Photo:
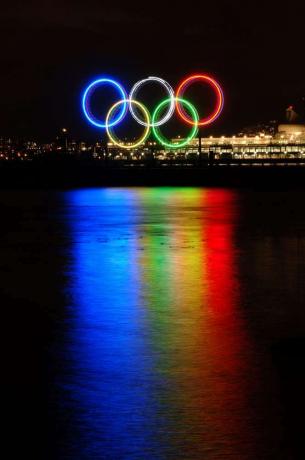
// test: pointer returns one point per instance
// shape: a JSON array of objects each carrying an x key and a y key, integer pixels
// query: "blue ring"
[{"x": 90, "y": 117}]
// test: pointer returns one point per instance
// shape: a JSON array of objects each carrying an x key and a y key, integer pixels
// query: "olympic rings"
[
  {"x": 193, "y": 132},
  {"x": 109, "y": 124},
  {"x": 88, "y": 93},
  {"x": 168, "y": 88},
  {"x": 213, "y": 83},
  {"x": 185, "y": 109}
]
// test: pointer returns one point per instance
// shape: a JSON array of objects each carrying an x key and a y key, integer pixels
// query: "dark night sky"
[{"x": 50, "y": 50}]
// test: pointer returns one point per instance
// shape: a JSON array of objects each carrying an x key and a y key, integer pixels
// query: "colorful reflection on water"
[{"x": 158, "y": 360}]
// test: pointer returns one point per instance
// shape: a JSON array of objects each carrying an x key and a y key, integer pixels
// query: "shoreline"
[{"x": 83, "y": 173}]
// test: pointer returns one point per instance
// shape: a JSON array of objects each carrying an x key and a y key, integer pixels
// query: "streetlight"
[{"x": 65, "y": 131}]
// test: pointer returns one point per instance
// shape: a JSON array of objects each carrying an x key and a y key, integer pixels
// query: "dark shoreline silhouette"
[{"x": 70, "y": 172}]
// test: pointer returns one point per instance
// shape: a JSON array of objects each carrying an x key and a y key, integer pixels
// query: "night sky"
[{"x": 50, "y": 50}]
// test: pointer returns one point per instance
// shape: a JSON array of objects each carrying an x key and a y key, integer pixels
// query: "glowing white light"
[{"x": 168, "y": 88}]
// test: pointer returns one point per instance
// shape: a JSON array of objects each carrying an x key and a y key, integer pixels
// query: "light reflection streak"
[{"x": 156, "y": 344}]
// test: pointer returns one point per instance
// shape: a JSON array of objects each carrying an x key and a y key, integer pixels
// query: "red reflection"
[
  {"x": 220, "y": 252},
  {"x": 230, "y": 373}
]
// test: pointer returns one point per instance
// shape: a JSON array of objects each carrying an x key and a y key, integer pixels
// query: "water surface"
[{"x": 154, "y": 323}]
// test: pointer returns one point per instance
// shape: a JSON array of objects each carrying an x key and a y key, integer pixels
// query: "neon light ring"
[
  {"x": 185, "y": 109},
  {"x": 169, "y": 90},
  {"x": 214, "y": 85},
  {"x": 109, "y": 123},
  {"x": 195, "y": 119},
  {"x": 87, "y": 96}
]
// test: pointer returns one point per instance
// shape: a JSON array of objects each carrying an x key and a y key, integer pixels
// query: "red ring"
[{"x": 218, "y": 91}]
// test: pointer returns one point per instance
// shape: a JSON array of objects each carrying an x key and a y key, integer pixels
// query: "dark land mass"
[{"x": 74, "y": 172}]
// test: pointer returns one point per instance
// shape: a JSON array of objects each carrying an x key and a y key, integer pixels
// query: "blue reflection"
[{"x": 106, "y": 384}]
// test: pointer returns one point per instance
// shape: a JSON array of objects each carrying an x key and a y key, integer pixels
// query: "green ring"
[{"x": 163, "y": 140}]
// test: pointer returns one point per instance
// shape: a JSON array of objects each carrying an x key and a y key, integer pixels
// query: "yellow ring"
[{"x": 146, "y": 131}]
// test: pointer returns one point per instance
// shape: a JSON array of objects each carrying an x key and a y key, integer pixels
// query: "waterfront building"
[{"x": 288, "y": 142}]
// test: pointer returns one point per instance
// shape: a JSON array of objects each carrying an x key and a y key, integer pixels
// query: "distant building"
[
  {"x": 288, "y": 141},
  {"x": 291, "y": 131}
]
